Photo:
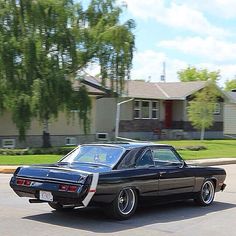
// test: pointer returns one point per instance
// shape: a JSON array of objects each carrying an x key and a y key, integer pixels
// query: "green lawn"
[
  {"x": 28, "y": 159},
  {"x": 215, "y": 148}
]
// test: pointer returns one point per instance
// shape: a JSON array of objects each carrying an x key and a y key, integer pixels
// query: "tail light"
[
  {"x": 63, "y": 187},
  {"x": 68, "y": 188},
  {"x": 20, "y": 181},
  {"x": 72, "y": 188},
  {"x": 23, "y": 182}
]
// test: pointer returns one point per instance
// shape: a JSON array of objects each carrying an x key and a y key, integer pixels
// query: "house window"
[
  {"x": 70, "y": 141},
  {"x": 137, "y": 109},
  {"x": 155, "y": 106},
  {"x": 144, "y": 109},
  {"x": 8, "y": 143},
  {"x": 217, "y": 109}
]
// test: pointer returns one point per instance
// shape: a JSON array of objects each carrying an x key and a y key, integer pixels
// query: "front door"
[
  {"x": 168, "y": 114},
  {"x": 174, "y": 177}
]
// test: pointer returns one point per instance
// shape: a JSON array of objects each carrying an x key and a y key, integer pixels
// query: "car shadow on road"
[{"x": 94, "y": 219}]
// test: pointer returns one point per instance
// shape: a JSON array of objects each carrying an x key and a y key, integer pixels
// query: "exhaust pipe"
[{"x": 35, "y": 201}]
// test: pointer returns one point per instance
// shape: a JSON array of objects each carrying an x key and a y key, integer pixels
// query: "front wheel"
[
  {"x": 206, "y": 196},
  {"x": 124, "y": 205},
  {"x": 58, "y": 207}
]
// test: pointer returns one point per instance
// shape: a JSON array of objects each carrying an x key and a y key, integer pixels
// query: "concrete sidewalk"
[{"x": 7, "y": 169}]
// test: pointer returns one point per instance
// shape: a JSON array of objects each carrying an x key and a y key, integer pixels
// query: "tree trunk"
[
  {"x": 202, "y": 132},
  {"x": 46, "y": 135}
]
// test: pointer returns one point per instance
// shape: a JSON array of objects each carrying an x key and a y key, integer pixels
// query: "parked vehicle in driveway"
[{"x": 117, "y": 176}]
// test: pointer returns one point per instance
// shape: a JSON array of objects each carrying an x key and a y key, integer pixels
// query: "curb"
[
  {"x": 212, "y": 162},
  {"x": 7, "y": 170}
]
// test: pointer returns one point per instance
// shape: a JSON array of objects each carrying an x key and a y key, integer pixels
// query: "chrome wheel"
[
  {"x": 206, "y": 196},
  {"x": 208, "y": 192},
  {"x": 126, "y": 201}
]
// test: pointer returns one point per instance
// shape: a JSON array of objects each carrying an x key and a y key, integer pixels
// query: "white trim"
[
  {"x": 92, "y": 189},
  {"x": 8, "y": 140},
  {"x": 150, "y": 108}
]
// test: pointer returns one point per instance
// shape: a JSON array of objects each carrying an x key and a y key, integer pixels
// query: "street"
[{"x": 18, "y": 217}]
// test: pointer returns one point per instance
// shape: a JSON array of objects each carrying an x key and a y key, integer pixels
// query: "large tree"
[
  {"x": 44, "y": 43},
  {"x": 230, "y": 85},
  {"x": 191, "y": 73},
  {"x": 201, "y": 107}
]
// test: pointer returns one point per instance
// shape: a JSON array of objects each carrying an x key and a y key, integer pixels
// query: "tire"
[
  {"x": 206, "y": 196},
  {"x": 124, "y": 205},
  {"x": 58, "y": 207}
]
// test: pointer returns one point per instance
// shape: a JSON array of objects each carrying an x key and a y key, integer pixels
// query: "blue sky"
[{"x": 200, "y": 33}]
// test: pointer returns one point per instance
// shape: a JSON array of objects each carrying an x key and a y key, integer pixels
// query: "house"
[
  {"x": 62, "y": 131},
  {"x": 156, "y": 111},
  {"x": 150, "y": 111},
  {"x": 230, "y": 115}
]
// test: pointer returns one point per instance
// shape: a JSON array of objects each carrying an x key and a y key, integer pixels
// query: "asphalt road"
[{"x": 18, "y": 217}]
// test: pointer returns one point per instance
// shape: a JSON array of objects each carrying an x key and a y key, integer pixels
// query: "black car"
[{"x": 116, "y": 177}]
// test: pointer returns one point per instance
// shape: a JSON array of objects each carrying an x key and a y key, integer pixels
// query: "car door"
[{"x": 174, "y": 176}]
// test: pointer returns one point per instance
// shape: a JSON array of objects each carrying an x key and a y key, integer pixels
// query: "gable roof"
[
  {"x": 149, "y": 90},
  {"x": 163, "y": 90},
  {"x": 92, "y": 90}
]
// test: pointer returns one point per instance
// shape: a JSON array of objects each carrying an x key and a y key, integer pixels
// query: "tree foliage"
[
  {"x": 194, "y": 74},
  {"x": 43, "y": 43},
  {"x": 230, "y": 85},
  {"x": 201, "y": 107}
]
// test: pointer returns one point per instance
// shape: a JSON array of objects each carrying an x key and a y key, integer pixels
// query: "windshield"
[{"x": 95, "y": 154}]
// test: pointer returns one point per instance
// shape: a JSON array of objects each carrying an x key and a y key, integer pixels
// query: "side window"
[
  {"x": 129, "y": 160},
  {"x": 145, "y": 159},
  {"x": 164, "y": 156}
]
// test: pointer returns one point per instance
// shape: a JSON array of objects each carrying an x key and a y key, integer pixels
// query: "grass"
[
  {"x": 215, "y": 148},
  {"x": 28, "y": 159}
]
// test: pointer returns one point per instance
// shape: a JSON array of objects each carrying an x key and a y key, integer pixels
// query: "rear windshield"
[{"x": 95, "y": 154}]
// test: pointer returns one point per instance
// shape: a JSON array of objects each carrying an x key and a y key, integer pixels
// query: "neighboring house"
[
  {"x": 230, "y": 115},
  {"x": 156, "y": 111},
  {"x": 63, "y": 131}
]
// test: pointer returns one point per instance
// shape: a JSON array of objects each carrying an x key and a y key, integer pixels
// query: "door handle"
[{"x": 162, "y": 173}]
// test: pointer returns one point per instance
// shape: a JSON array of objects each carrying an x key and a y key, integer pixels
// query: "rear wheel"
[
  {"x": 206, "y": 196},
  {"x": 59, "y": 207},
  {"x": 124, "y": 205}
]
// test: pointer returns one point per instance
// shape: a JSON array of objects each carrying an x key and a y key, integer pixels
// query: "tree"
[
  {"x": 43, "y": 43},
  {"x": 230, "y": 85},
  {"x": 201, "y": 107},
  {"x": 191, "y": 73}
]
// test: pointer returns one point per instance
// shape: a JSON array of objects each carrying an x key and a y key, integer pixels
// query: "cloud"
[
  {"x": 177, "y": 15},
  {"x": 206, "y": 48},
  {"x": 220, "y": 8},
  {"x": 148, "y": 66}
]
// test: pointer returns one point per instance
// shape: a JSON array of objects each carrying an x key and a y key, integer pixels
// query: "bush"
[
  {"x": 192, "y": 148},
  {"x": 37, "y": 151}
]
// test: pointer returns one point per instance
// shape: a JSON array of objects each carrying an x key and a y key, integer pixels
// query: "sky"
[{"x": 182, "y": 33}]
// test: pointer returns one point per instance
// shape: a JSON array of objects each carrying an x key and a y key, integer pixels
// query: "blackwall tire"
[
  {"x": 206, "y": 196},
  {"x": 124, "y": 205}
]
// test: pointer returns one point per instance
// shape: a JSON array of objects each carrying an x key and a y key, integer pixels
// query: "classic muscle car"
[{"x": 116, "y": 177}]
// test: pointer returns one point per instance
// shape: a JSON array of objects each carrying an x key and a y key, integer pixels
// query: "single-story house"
[
  {"x": 63, "y": 131},
  {"x": 156, "y": 111},
  {"x": 230, "y": 115}
]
